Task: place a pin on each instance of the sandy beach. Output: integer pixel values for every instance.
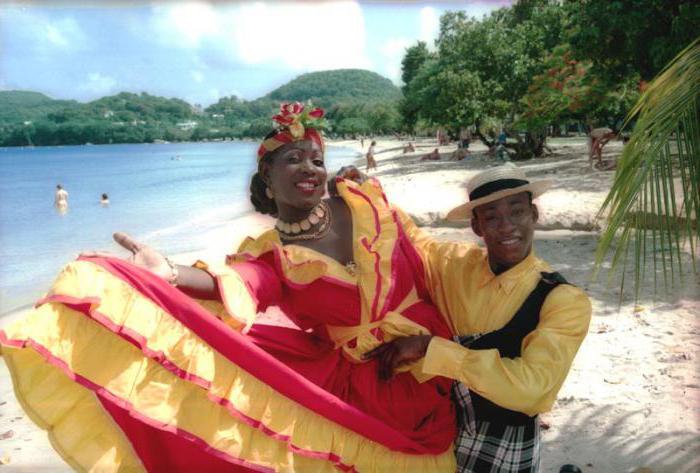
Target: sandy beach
(631, 402)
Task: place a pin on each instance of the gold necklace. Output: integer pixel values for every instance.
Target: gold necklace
(320, 215)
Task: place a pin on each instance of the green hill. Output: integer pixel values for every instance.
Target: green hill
(128, 107)
(329, 88)
(356, 102)
(17, 106)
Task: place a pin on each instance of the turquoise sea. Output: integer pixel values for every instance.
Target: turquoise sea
(163, 194)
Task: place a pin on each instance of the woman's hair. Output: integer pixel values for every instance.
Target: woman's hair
(258, 197)
(104, 196)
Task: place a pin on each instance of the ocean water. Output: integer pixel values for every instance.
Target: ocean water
(164, 195)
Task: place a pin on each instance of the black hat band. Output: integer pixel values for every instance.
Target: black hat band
(495, 186)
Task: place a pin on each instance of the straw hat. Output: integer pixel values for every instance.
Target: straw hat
(493, 184)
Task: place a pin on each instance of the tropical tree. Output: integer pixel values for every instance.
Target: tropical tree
(630, 36)
(654, 202)
(482, 68)
(571, 90)
(413, 60)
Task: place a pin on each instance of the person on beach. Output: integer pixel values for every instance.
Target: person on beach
(434, 155)
(597, 139)
(409, 148)
(441, 137)
(501, 151)
(518, 325)
(459, 154)
(371, 162)
(60, 196)
(465, 138)
(104, 200)
(145, 364)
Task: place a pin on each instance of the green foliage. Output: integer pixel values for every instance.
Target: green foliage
(654, 203)
(122, 118)
(571, 91)
(442, 92)
(416, 56)
(622, 37)
(412, 61)
(19, 106)
(364, 118)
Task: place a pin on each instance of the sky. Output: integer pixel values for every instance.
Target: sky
(199, 51)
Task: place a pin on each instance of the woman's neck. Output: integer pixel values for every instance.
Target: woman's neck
(292, 214)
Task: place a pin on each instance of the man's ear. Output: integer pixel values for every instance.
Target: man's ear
(476, 226)
(535, 213)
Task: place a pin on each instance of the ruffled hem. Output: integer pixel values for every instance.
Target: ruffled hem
(77, 426)
(163, 373)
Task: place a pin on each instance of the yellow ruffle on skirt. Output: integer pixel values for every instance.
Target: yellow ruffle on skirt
(174, 380)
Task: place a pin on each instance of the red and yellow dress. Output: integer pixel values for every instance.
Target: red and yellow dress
(129, 374)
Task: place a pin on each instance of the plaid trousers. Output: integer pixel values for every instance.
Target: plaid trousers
(488, 447)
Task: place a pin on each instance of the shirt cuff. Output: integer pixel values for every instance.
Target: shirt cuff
(444, 358)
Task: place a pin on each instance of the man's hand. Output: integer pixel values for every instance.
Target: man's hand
(398, 352)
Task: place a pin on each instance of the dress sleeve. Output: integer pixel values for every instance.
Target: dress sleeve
(529, 383)
(246, 288)
(443, 260)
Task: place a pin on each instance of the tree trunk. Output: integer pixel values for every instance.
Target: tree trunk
(487, 143)
(531, 147)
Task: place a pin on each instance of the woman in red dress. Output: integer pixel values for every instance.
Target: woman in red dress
(147, 365)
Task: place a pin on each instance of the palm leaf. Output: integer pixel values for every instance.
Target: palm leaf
(654, 201)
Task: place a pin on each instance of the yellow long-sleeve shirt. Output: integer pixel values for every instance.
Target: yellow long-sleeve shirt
(474, 300)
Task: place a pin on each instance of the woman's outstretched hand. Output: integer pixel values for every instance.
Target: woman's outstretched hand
(141, 255)
(144, 256)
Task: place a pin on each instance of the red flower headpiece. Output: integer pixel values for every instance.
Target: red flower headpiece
(296, 123)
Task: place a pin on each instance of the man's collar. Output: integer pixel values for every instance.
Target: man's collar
(507, 279)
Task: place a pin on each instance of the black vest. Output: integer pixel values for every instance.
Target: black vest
(509, 340)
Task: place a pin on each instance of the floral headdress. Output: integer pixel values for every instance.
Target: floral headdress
(295, 123)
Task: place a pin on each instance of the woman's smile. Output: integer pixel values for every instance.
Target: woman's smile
(308, 186)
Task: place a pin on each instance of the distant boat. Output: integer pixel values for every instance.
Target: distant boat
(161, 142)
(88, 144)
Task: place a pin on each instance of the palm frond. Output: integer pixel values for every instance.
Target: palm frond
(654, 201)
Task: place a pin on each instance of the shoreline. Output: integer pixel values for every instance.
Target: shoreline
(184, 228)
(633, 394)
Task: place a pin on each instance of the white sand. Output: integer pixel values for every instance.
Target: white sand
(632, 398)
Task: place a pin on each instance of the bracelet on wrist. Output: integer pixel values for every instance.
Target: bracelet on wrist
(174, 273)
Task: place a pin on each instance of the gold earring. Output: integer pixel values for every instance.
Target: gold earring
(268, 193)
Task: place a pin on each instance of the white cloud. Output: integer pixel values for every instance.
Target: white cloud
(46, 35)
(64, 33)
(429, 25)
(197, 76)
(185, 24)
(303, 36)
(392, 52)
(99, 84)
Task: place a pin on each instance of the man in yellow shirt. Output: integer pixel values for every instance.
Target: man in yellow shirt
(518, 325)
